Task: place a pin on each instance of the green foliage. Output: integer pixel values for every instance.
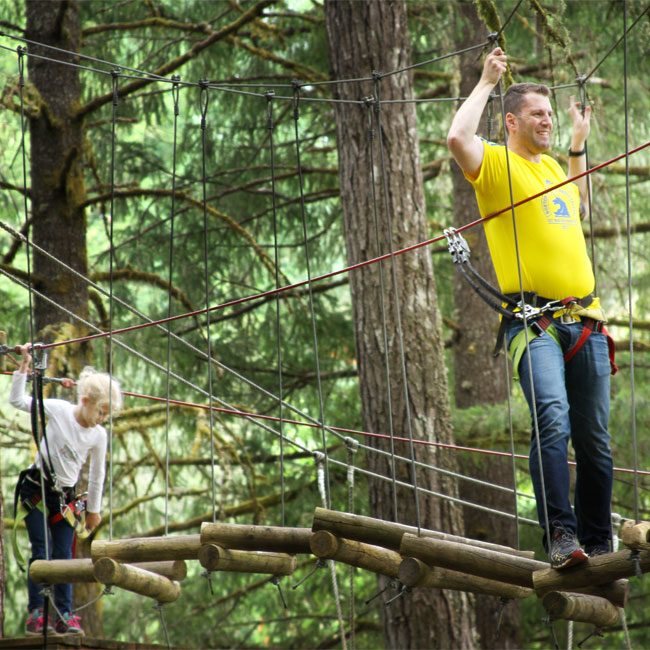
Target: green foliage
(232, 244)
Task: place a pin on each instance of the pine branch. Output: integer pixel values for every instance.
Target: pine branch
(176, 63)
(244, 508)
(130, 274)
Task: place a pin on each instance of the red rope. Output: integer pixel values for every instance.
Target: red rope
(316, 425)
(347, 269)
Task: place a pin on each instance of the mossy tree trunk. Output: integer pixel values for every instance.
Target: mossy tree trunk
(363, 36)
(57, 184)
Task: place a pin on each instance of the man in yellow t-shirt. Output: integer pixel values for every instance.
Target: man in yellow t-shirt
(548, 257)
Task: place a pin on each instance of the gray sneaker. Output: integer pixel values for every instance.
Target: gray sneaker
(600, 549)
(565, 550)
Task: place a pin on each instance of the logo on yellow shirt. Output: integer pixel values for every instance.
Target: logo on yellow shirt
(560, 207)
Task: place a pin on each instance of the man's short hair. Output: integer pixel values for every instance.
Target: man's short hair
(515, 95)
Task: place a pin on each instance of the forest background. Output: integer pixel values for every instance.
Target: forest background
(239, 192)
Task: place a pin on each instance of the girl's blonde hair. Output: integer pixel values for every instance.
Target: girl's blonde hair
(99, 388)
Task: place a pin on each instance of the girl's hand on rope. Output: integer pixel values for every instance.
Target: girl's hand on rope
(581, 124)
(92, 520)
(495, 65)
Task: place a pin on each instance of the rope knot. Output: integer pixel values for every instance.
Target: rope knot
(351, 444)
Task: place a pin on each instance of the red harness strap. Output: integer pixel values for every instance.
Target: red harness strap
(590, 325)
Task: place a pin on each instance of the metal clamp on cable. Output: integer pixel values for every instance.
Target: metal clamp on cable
(457, 246)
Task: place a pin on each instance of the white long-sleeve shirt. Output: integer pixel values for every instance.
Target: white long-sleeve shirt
(69, 443)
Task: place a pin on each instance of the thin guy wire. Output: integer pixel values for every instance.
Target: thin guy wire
(583, 104)
(629, 267)
(35, 429)
(512, 451)
(155, 364)
(278, 328)
(325, 276)
(527, 339)
(203, 102)
(434, 60)
(175, 97)
(303, 211)
(439, 495)
(398, 317)
(324, 493)
(613, 47)
(296, 444)
(111, 258)
(380, 275)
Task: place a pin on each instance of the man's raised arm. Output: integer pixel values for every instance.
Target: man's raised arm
(462, 141)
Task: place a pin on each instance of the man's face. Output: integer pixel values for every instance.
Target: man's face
(532, 127)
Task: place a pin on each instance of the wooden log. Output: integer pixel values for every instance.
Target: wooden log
(415, 573)
(617, 592)
(389, 534)
(54, 572)
(217, 558)
(583, 608)
(365, 556)
(598, 570)
(481, 562)
(246, 537)
(82, 570)
(139, 581)
(172, 569)
(148, 549)
(635, 535)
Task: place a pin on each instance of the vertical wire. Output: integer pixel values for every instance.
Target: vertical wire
(512, 451)
(528, 356)
(296, 115)
(380, 274)
(398, 316)
(175, 97)
(278, 329)
(583, 104)
(21, 84)
(352, 447)
(203, 102)
(629, 266)
(115, 73)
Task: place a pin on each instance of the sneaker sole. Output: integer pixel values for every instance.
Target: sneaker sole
(576, 557)
(49, 633)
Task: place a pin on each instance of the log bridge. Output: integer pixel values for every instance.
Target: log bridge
(592, 592)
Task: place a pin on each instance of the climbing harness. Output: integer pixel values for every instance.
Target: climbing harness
(535, 311)
(71, 508)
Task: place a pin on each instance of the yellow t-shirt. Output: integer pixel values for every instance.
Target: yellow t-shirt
(552, 249)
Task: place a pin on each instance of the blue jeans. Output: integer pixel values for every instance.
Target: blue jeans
(572, 402)
(59, 546)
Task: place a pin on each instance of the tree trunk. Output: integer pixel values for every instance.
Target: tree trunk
(479, 378)
(57, 184)
(57, 193)
(364, 36)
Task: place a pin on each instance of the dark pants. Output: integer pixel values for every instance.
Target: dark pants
(572, 403)
(60, 537)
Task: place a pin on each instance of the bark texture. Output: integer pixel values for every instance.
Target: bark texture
(56, 140)
(366, 36)
(479, 378)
